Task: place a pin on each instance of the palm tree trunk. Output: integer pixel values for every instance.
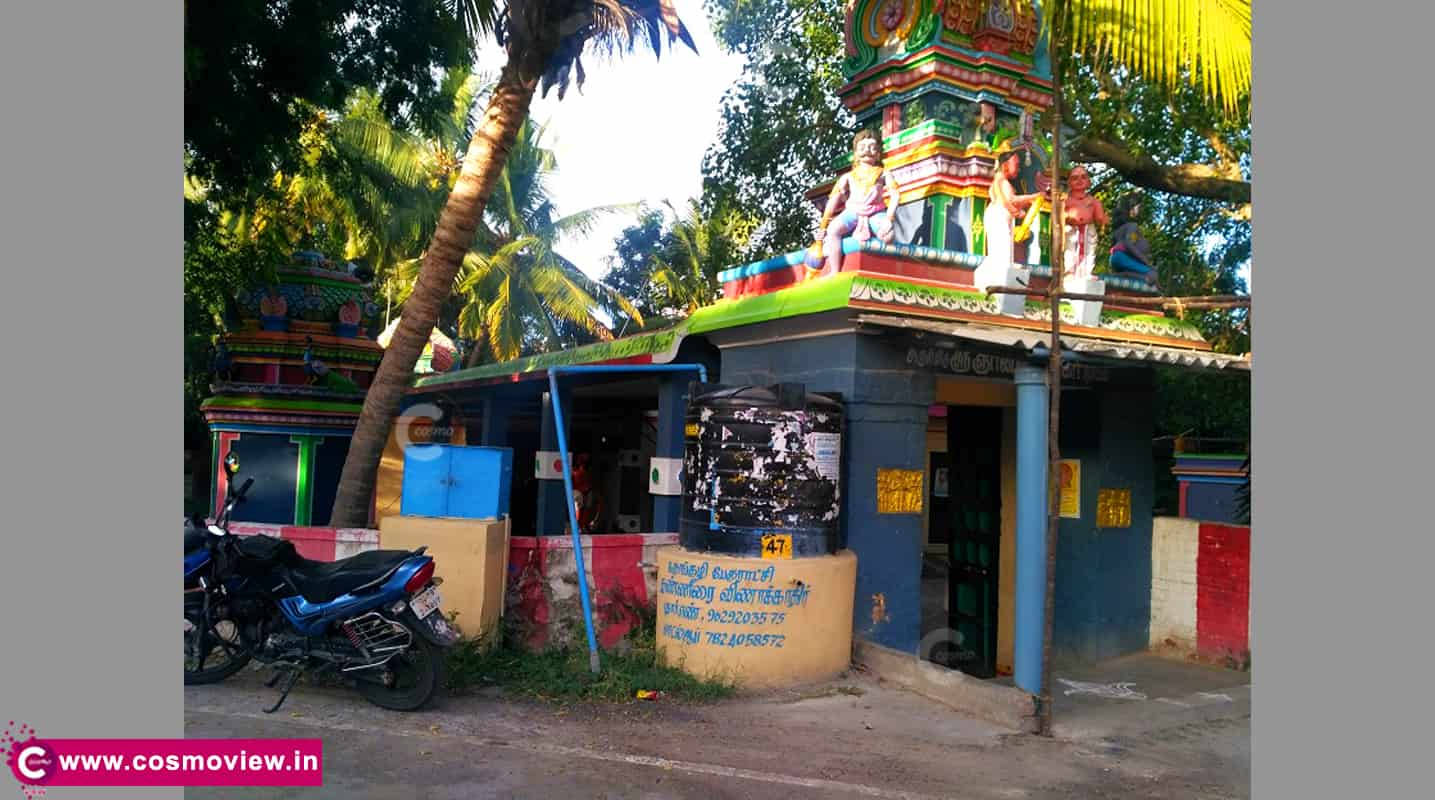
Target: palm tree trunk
(487, 153)
(475, 351)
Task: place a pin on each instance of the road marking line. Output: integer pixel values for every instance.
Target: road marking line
(580, 752)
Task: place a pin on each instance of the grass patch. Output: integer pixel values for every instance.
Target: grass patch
(563, 675)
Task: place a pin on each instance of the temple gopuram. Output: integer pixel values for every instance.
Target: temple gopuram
(291, 371)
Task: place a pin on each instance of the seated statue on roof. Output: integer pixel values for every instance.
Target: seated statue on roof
(864, 202)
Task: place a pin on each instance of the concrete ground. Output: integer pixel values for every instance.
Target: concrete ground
(854, 737)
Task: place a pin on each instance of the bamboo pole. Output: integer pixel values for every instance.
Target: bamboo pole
(1221, 300)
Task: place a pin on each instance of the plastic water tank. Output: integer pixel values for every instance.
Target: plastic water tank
(762, 468)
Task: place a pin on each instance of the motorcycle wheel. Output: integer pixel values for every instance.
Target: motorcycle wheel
(211, 652)
(410, 680)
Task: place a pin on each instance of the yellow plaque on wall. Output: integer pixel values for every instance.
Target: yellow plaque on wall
(1069, 484)
(899, 491)
(1113, 508)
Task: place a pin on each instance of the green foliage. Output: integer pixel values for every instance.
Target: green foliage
(216, 266)
(563, 675)
(251, 71)
(670, 262)
(514, 293)
(782, 124)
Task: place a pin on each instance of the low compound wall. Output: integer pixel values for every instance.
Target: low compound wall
(542, 596)
(1200, 590)
(319, 544)
(756, 622)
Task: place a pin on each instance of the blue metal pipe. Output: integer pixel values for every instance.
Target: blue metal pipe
(1032, 466)
(553, 373)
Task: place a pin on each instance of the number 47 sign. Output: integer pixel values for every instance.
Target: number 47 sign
(777, 545)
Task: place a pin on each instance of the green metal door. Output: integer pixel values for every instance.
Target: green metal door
(974, 449)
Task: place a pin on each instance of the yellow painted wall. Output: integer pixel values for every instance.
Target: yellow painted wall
(793, 617)
(936, 443)
(470, 555)
(962, 392)
(388, 487)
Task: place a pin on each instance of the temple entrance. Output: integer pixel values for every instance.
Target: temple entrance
(970, 524)
(974, 508)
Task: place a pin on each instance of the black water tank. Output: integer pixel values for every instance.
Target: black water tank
(761, 460)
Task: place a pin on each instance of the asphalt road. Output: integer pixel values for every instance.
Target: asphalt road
(865, 741)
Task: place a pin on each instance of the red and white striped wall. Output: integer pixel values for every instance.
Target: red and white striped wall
(1201, 589)
(319, 544)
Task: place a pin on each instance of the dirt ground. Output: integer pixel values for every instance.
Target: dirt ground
(854, 737)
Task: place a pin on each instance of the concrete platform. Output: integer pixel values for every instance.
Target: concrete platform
(1143, 692)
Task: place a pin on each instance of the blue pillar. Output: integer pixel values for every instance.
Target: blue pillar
(672, 409)
(1031, 521)
(497, 413)
(552, 502)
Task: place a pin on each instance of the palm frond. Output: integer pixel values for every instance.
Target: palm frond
(503, 325)
(479, 17)
(1204, 42)
(611, 27)
(582, 223)
(375, 140)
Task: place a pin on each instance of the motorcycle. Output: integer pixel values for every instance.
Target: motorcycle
(374, 618)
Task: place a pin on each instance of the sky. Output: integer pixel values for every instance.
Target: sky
(636, 133)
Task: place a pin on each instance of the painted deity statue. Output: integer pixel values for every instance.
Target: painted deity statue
(1004, 208)
(985, 129)
(864, 202)
(1130, 252)
(1083, 212)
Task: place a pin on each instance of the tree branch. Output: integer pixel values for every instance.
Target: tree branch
(1191, 180)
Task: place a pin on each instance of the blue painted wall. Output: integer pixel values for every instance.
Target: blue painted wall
(272, 461)
(328, 467)
(1212, 499)
(886, 427)
(1103, 576)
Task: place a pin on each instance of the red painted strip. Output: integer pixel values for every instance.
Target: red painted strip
(1181, 509)
(221, 481)
(1223, 590)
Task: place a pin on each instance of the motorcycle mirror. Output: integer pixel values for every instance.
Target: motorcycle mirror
(216, 530)
(231, 463)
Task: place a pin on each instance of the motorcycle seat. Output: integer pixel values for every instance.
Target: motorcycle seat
(321, 582)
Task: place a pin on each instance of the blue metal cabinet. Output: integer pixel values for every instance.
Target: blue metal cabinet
(443, 480)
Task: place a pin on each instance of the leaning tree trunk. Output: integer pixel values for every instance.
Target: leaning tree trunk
(487, 153)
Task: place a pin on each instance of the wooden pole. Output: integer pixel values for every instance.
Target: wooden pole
(1058, 247)
(1210, 301)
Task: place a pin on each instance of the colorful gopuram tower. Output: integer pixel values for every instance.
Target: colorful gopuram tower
(947, 83)
(292, 369)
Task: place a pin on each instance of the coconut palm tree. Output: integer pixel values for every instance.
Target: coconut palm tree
(514, 291)
(366, 188)
(684, 276)
(545, 40)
